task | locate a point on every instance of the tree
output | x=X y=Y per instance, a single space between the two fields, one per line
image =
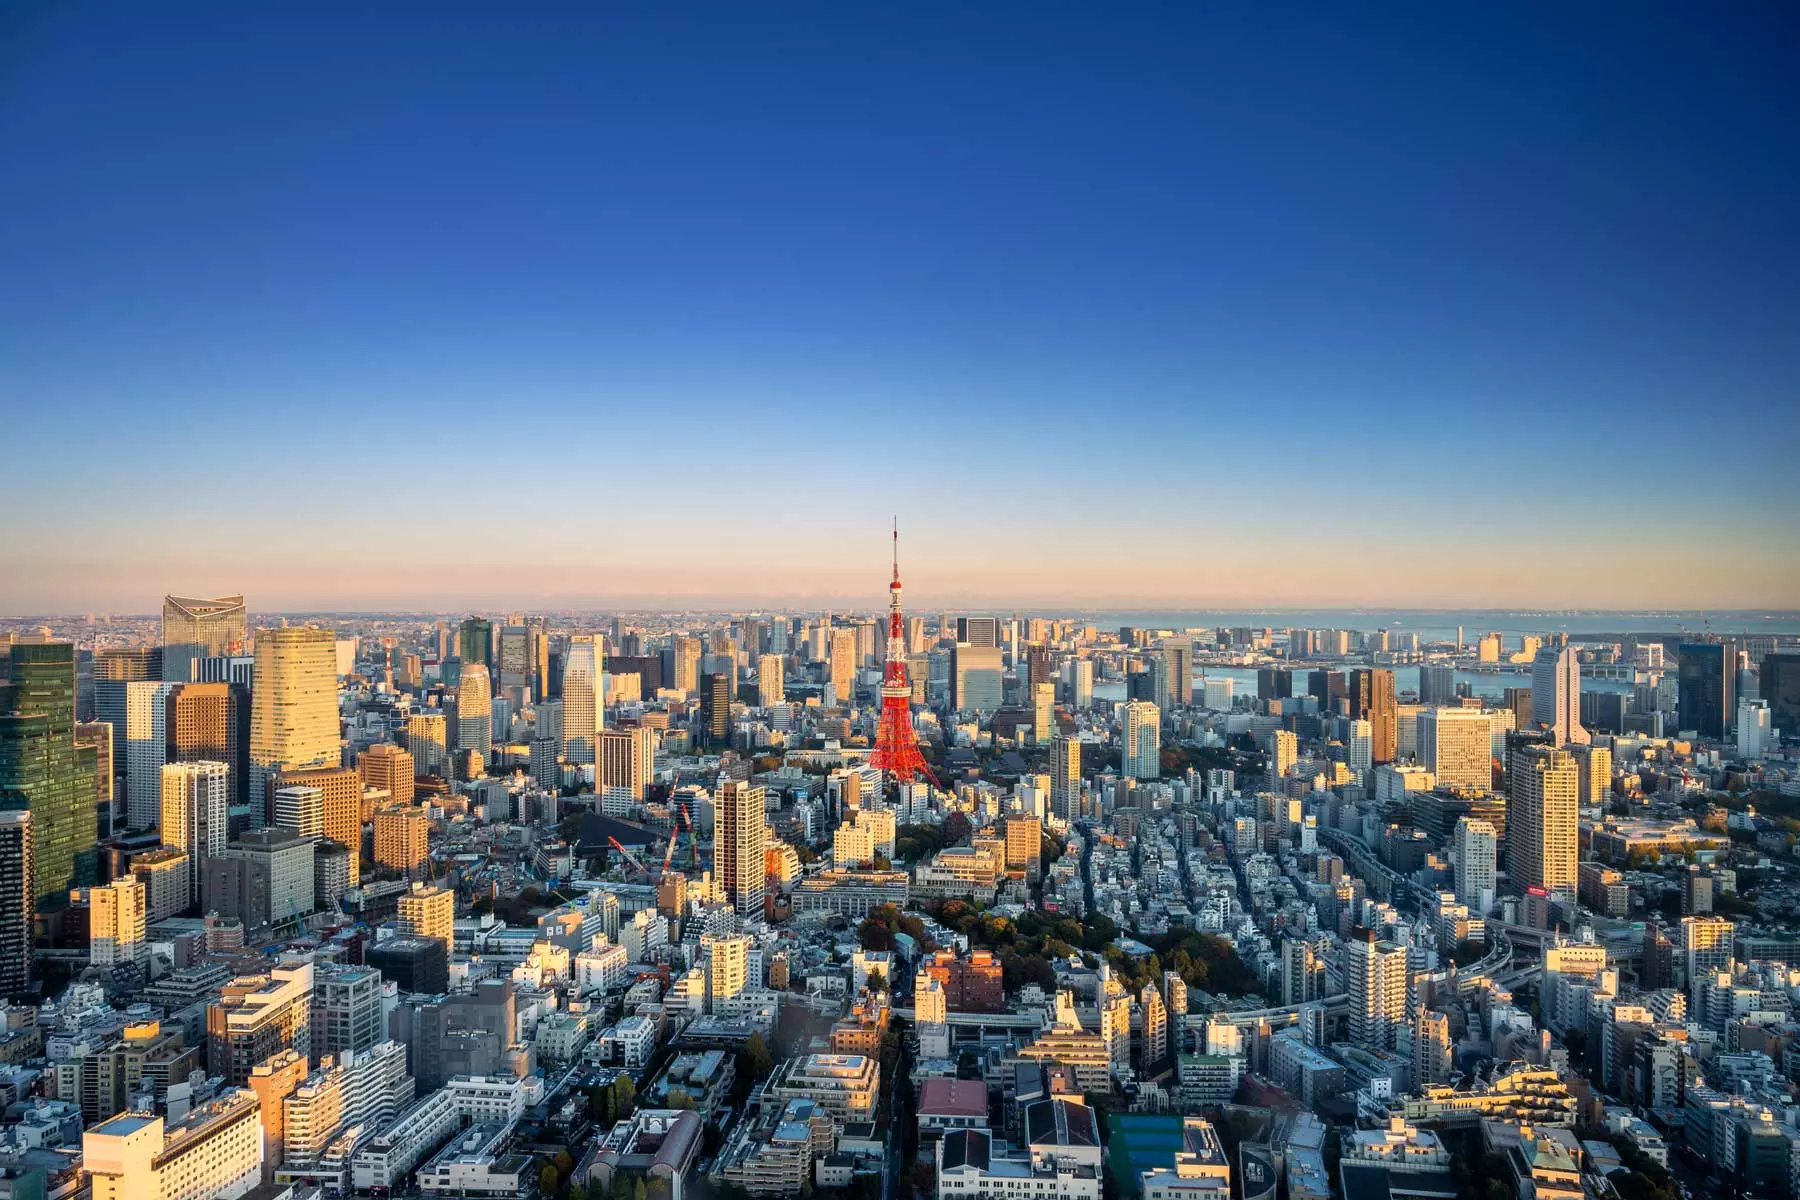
x=548 y=1180
x=624 y=1094
x=564 y=1163
x=877 y=980
x=577 y=1192
x=678 y=1098
x=957 y=828
x=756 y=1053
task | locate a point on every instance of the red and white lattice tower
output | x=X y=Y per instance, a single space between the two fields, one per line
x=896 y=744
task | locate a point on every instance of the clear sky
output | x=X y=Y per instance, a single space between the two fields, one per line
x=539 y=305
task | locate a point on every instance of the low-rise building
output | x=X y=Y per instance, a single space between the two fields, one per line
x=1201 y=1170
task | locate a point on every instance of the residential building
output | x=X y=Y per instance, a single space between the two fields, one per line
x=740 y=823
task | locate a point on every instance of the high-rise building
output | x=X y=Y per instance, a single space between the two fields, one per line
x=474 y=711
x=715 y=709
x=1065 y=777
x=1375 y=980
x=1284 y=752
x=1081 y=683
x=627 y=760
x=769 y=686
x=1778 y=685
x=1431 y=1049
x=1302 y=972
x=113 y=669
x=1274 y=683
x=1372 y=699
x=1359 y=749
x=1457 y=746
x=1043 y=712
x=583 y=697
x=427 y=741
x=194 y=813
x=146 y=749
x=1594 y=765
x=429 y=912
x=981 y=632
x=1707 y=676
x=1437 y=684
x=293 y=705
x=1475 y=845
x=739 y=819
x=168 y=882
x=845 y=661
x=1753 y=729
x=214 y=1151
x=1179 y=654
x=514 y=665
x=210 y=722
x=976 y=675
x=45 y=771
x=347 y=1016
x=1141 y=744
x=726 y=958
x=340 y=806
x=195 y=628
x=1556 y=694
x=686 y=664
x=390 y=768
x=1543 y=819
x=116 y=919
x=257 y=1016
x=17 y=902
x=300 y=808
x=475 y=641
x=402 y=838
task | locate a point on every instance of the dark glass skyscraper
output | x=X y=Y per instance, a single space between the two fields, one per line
x=45 y=772
x=476 y=641
x=1705 y=685
x=1779 y=682
x=715 y=708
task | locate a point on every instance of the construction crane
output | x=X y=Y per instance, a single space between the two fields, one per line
x=628 y=856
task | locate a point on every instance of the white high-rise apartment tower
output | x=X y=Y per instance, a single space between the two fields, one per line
x=196 y=803
x=1375 y=979
x=1476 y=847
x=770 y=688
x=1141 y=753
x=1543 y=819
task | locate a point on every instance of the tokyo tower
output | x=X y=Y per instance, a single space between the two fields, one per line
x=896 y=744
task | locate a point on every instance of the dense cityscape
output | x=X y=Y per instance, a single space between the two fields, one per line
x=895 y=907
x=849 y=601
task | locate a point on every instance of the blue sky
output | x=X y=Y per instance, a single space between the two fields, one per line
x=1121 y=305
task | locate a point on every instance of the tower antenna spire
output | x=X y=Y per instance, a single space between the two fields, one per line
x=896 y=546
x=896 y=742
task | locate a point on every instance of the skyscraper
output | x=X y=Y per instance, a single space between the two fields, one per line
x=1141 y=743
x=146 y=749
x=740 y=818
x=211 y=722
x=1778 y=684
x=194 y=815
x=475 y=711
x=475 y=641
x=1437 y=684
x=427 y=742
x=715 y=709
x=44 y=770
x=1065 y=777
x=1457 y=746
x=197 y=628
x=1372 y=699
x=1707 y=679
x=514 y=665
x=116 y=919
x=340 y=808
x=627 y=758
x=583 y=700
x=113 y=669
x=1543 y=818
x=770 y=689
x=390 y=768
x=1556 y=694
x=293 y=705
x=1375 y=979
x=844 y=663
x=976 y=675
x=1475 y=844
x=17 y=901
x=978 y=631
x=1179 y=654
x=686 y=663
x=1284 y=752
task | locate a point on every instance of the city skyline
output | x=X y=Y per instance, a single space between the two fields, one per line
x=1211 y=309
